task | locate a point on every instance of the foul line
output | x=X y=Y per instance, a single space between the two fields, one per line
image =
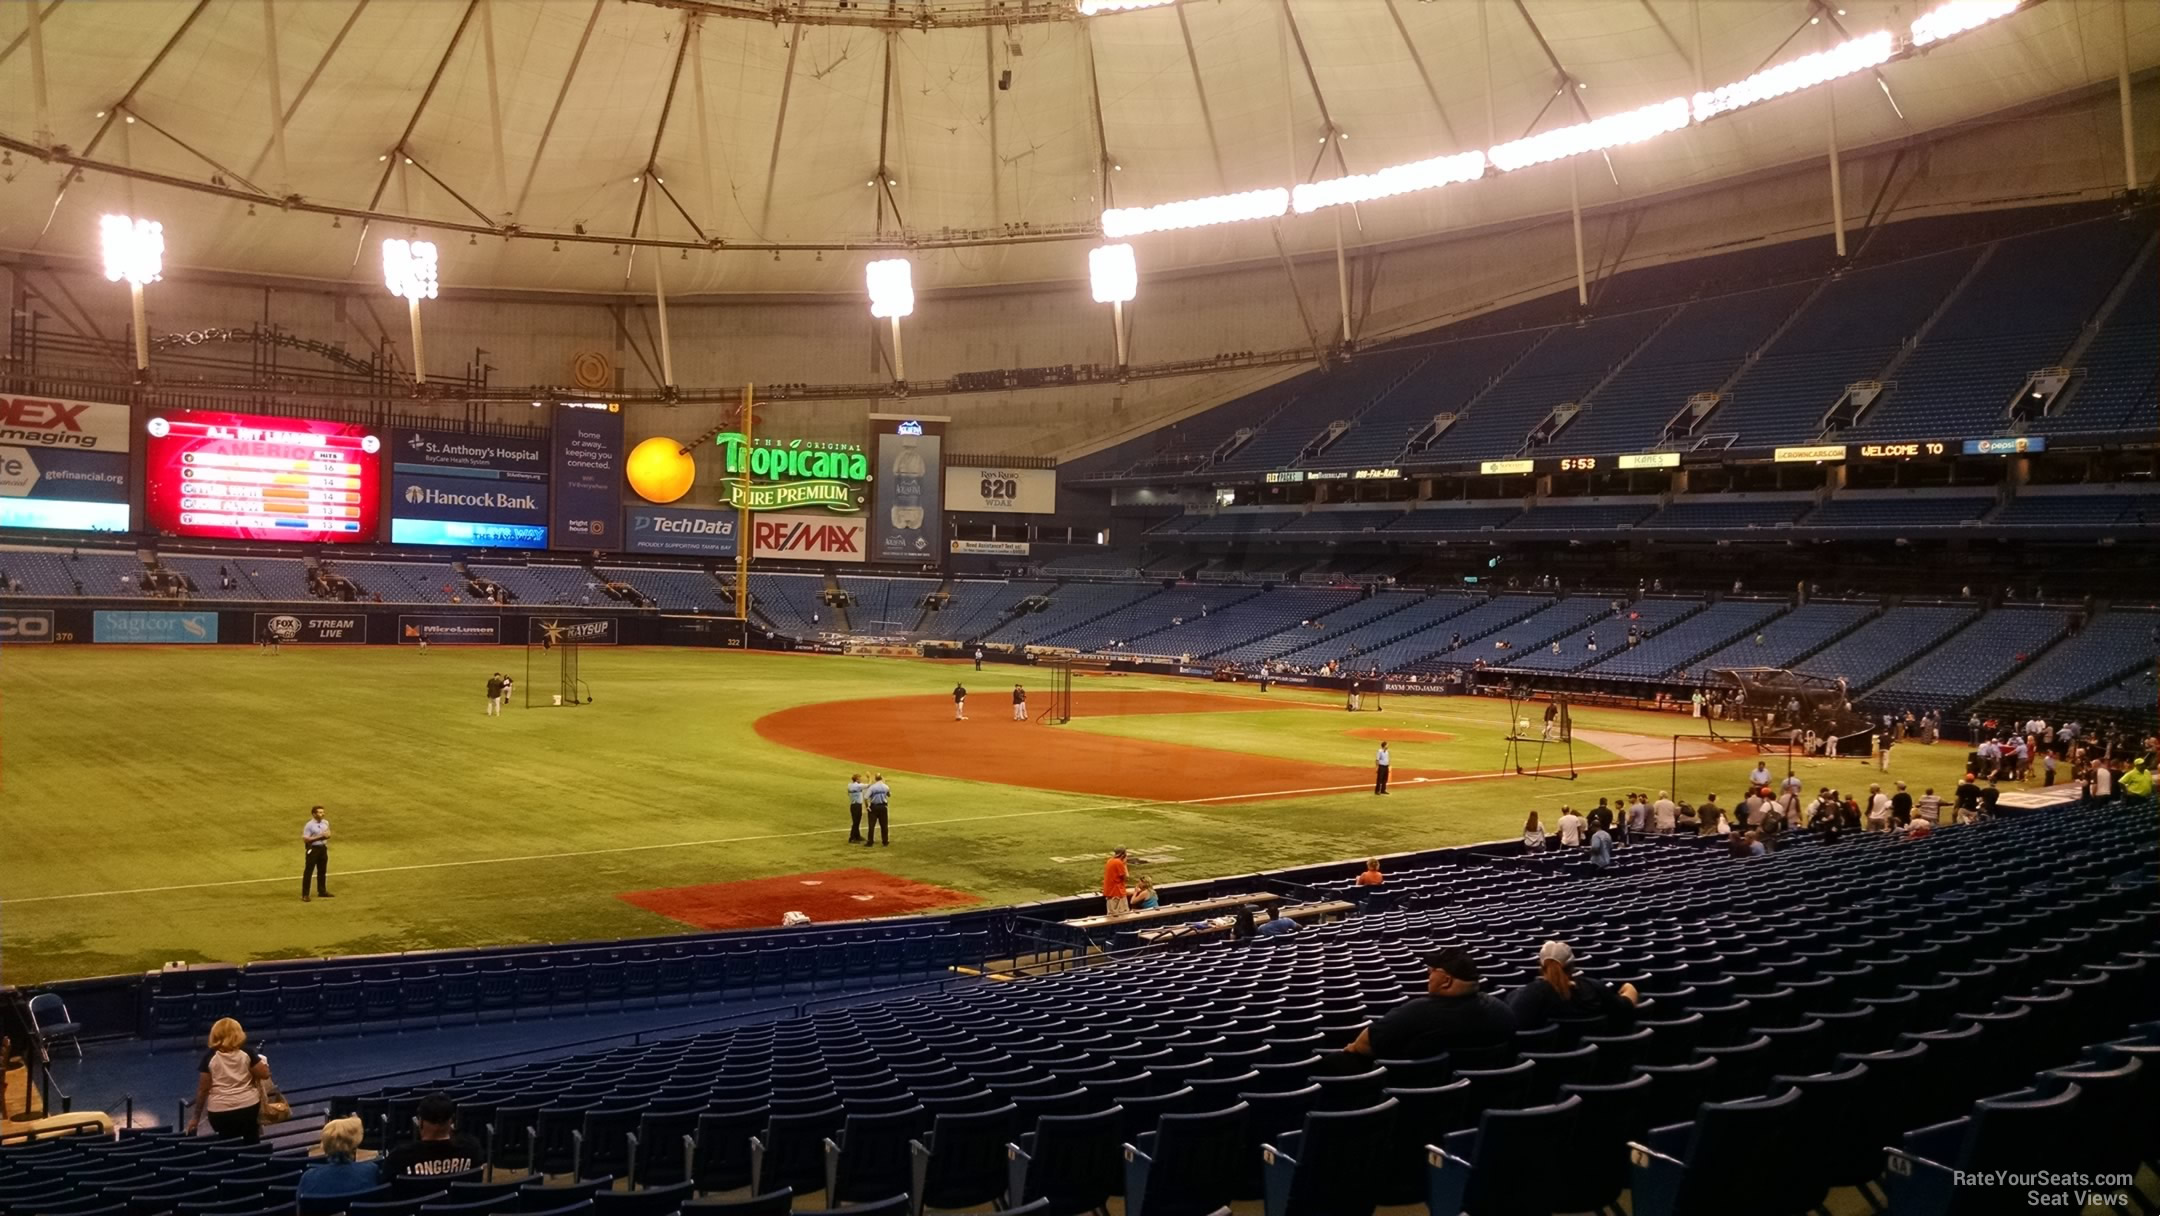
x=1134 y=804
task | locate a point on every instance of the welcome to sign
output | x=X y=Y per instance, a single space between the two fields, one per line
x=798 y=473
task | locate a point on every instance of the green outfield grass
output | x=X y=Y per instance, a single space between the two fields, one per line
x=151 y=799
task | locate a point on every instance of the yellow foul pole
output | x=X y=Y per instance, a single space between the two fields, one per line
x=742 y=513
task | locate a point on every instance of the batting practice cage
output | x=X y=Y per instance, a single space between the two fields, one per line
x=1363 y=696
x=1057 y=707
x=1782 y=707
x=551 y=660
x=1534 y=725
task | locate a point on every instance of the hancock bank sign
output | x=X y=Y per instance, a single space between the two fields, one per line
x=780 y=475
x=428 y=496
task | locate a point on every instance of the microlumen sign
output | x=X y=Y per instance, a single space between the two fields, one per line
x=795 y=474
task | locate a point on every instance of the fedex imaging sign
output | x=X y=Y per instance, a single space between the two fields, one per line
x=809 y=538
x=49 y=422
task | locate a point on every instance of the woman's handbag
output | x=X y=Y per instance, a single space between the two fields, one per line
x=274 y=1108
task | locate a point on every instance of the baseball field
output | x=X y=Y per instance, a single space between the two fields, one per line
x=151 y=798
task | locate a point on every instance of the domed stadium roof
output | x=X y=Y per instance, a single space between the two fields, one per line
x=769 y=144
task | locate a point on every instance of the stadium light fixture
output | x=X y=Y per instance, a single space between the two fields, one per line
x=1844 y=59
x=409 y=269
x=1113 y=273
x=1631 y=127
x=892 y=295
x=1114 y=276
x=1958 y=16
x=1091 y=8
x=134 y=250
x=1386 y=183
x=1119 y=222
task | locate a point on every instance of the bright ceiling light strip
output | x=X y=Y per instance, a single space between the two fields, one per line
x=1857 y=55
x=1089 y=8
x=1388 y=182
x=1845 y=59
x=1119 y=222
x=1633 y=127
x=1958 y=16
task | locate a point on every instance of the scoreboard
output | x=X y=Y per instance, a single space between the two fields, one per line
x=256 y=477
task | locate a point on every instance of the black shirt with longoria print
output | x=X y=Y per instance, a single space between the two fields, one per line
x=432 y=1158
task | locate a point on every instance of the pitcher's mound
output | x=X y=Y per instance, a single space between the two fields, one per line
x=822 y=896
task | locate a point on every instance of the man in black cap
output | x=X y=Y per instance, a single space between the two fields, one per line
x=1452 y=1014
x=440 y=1149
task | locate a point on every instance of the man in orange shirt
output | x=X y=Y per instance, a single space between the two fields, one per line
x=1372 y=876
x=1113 y=885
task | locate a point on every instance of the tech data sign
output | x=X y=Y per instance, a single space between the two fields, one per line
x=779 y=475
x=809 y=538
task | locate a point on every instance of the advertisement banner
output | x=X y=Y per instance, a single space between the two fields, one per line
x=63 y=488
x=26 y=625
x=1003 y=491
x=472 y=491
x=448 y=629
x=585 y=631
x=679 y=530
x=287 y=627
x=479 y=501
x=2017 y=445
x=164 y=628
x=587 y=451
x=62 y=473
x=48 y=422
x=909 y=494
x=457 y=454
x=992 y=548
x=809 y=538
x=256 y=477
x=782 y=474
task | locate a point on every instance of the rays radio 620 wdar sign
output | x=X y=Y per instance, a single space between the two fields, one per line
x=809 y=538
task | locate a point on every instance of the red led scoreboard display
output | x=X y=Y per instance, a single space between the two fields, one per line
x=255 y=477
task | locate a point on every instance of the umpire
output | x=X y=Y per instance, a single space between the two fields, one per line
x=878 y=795
x=315 y=838
x=855 y=788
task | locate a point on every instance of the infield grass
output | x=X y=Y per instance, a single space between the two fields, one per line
x=151 y=798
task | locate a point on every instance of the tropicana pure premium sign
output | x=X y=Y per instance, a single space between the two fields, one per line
x=773 y=475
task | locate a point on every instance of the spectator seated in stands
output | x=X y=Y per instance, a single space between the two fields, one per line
x=1371 y=877
x=1451 y=1014
x=439 y=1150
x=1144 y=896
x=337 y=1173
x=1274 y=924
x=1558 y=992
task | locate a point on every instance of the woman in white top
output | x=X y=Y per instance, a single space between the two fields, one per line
x=229 y=1085
x=1533 y=833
